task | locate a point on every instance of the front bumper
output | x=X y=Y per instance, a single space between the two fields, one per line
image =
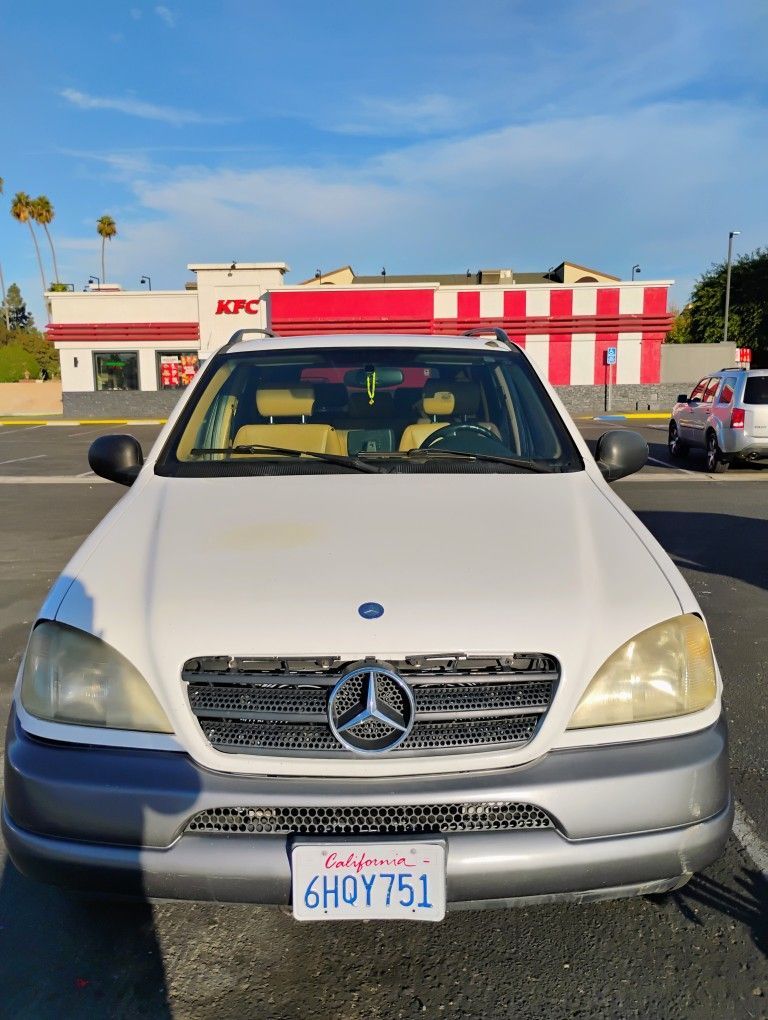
x=631 y=818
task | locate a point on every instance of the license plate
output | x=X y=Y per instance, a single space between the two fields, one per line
x=364 y=881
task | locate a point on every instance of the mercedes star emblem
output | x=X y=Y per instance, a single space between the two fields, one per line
x=371 y=710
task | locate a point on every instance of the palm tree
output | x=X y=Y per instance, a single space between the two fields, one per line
x=2 y=281
x=106 y=229
x=21 y=210
x=43 y=213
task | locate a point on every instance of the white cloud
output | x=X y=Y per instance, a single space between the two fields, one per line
x=137 y=108
x=429 y=114
x=660 y=185
x=135 y=13
x=166 y=15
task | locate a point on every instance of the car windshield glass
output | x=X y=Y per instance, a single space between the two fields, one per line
x=254 y=411
x=756 y=390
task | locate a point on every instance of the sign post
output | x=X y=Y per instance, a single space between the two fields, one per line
x=610 y=368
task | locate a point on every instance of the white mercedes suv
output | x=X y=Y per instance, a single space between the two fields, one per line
x=370 y=636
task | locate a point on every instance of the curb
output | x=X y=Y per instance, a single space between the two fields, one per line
x=83 y=421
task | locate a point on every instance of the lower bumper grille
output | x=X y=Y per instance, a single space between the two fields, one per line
x=381 y=820
x=281 y=706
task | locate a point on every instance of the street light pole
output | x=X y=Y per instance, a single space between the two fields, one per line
x=147 y=280
x=731 y=236
x=635 y=269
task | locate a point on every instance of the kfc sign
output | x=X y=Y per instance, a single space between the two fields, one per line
x=237 y=305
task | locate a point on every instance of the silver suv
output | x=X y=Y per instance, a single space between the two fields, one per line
x=726 y=415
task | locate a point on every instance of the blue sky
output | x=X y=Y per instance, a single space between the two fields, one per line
x=414 y=135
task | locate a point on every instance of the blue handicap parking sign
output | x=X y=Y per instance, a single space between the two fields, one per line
x=610 y=356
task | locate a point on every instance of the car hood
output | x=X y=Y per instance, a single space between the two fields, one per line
x=461 y=562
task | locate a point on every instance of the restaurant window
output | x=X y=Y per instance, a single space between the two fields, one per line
x=116 y=370
x=176 y=369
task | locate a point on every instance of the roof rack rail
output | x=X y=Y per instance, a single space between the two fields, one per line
x=500 y=334
x=240 y=334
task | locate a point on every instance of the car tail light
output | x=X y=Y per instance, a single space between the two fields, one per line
x=737 y=418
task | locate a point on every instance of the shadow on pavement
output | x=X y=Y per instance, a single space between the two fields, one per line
x=725 y=544
x=747 y=905
x=63 y=955
x=66 y=956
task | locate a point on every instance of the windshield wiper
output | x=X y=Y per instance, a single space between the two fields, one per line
x=489 y=458
x=330 y=458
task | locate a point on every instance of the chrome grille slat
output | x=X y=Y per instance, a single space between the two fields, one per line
x=387 y=819
x=271 y=737
x=271 y=706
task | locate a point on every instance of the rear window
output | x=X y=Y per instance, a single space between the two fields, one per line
x=756 y=390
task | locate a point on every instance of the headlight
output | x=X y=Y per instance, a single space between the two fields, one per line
x=72 y=677
x=664 y=671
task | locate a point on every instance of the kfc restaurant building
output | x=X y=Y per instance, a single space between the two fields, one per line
x=128 y=353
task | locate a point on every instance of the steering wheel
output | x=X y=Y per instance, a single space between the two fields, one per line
x=458 y=431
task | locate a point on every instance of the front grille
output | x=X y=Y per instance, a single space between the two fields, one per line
x=382 y=819
x=280 y=706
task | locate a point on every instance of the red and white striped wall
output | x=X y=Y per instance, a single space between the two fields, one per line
x=566 y=330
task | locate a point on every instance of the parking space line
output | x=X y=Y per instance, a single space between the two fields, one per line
x=671 y=476
x=51 y=480
x=25 y=428
x=754 y=846
x=18 y=460
x=671 y=467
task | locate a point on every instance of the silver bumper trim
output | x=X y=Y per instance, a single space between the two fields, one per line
x=484 y=869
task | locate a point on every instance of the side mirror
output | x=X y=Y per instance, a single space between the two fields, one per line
x=682 y=398
x=118 y=458
x=620 y=453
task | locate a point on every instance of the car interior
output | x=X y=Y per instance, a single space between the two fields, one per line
x=373 y=407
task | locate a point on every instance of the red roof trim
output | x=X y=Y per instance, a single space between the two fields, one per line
x=122 y=332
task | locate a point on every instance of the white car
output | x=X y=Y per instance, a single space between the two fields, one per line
x=369 y=635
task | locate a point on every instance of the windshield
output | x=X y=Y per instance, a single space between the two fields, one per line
x=396 y=408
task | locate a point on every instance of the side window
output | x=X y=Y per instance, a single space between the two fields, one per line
x=726 y=394
x=698 y=390
x=709 y=393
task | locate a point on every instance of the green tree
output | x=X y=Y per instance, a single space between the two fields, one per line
x=22 y=210
x=748 y=317
x=16 y=307
x=681 y=327
x=2 y=278
x=106 y=228
x=43 y=213
x=15 y=362
x=23 y=335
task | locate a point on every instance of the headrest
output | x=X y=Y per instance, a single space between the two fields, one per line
x=466 y=397
x=330 y=397
x=286 y=403
x=440 y=403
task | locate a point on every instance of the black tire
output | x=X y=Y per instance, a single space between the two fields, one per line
x=678 y=450
x=716 y=463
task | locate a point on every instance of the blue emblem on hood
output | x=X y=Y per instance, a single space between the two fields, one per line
x=371 y=610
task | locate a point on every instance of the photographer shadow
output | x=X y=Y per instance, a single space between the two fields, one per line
x=83 y=952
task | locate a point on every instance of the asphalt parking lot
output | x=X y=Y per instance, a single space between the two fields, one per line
x=700 y=952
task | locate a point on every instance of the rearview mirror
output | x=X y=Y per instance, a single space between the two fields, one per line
x=360 y=378
x=619 y=453
x=117 y=458
x=682 y=398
